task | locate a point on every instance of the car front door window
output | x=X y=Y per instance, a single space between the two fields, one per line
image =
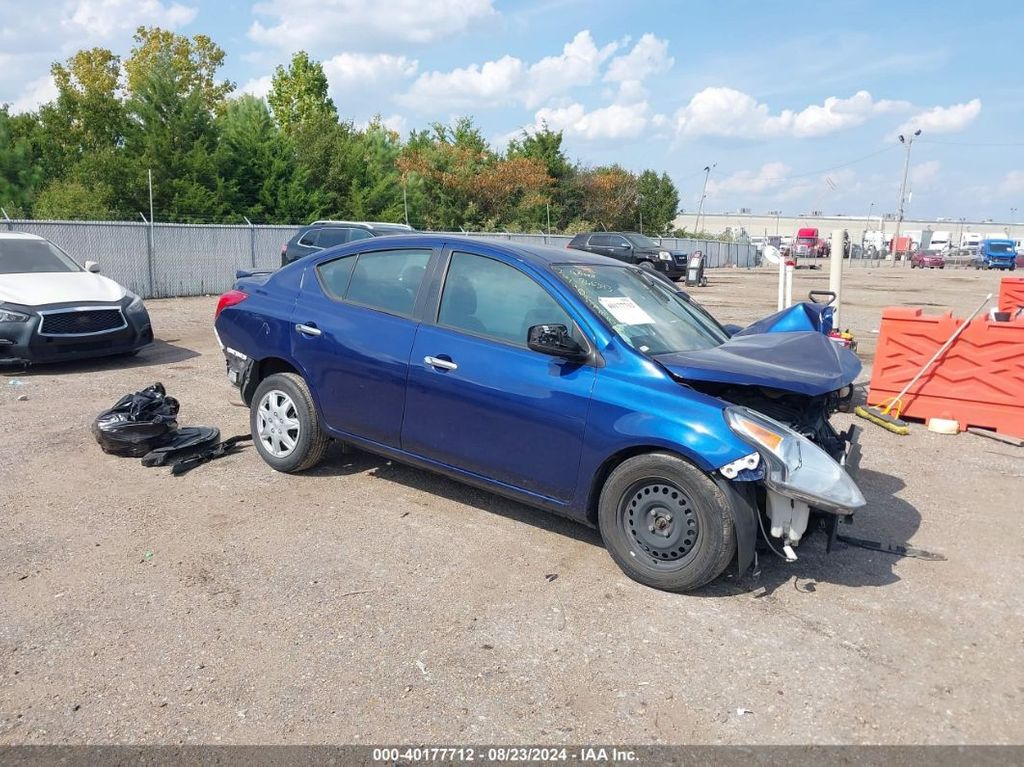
x=488 y=298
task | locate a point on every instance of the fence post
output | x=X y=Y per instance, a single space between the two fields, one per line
x=252 y=242
x=149 y=254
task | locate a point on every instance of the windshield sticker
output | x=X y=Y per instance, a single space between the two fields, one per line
x=625 y=310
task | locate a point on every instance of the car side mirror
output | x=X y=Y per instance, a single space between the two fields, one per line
x=556 y=341
x=732 y=329
x=92 y=266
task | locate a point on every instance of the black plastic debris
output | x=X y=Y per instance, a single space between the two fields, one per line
x=221 y=449
x=189 y=440
x=137 y=423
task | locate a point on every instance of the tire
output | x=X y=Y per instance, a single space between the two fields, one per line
x=693 y=539
x=285 y=427
x=647 y=266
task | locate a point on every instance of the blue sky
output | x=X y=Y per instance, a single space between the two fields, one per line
x=797 y=104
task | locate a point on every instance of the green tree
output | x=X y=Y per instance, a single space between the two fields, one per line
x=70 y=199
x=298 y=94
x=659 y=201
x=263 y=179
x=20 y=172
x=175 y=138
x=193 y=60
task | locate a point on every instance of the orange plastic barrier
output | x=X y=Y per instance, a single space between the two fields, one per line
x=1011 y=294
x=978 y=381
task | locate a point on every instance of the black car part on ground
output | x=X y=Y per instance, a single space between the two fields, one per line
x=188 y=441
x=221 y=449
x=137 y=423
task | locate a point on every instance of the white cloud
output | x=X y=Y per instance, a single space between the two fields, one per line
x=35 y=94
x=259 y=86
x=509 y=80
x=924 y=174
x=648 y=57
x=578 y=65
x=949 y=119
x=490 y=84
x=396 y=123
x=1013 y=183
x=768 y=177
x=358 y=70
x=314 y=25
x=613 y=122
x=104 y=19
x=729 y=112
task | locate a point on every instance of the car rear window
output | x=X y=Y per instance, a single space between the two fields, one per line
x=331 y=236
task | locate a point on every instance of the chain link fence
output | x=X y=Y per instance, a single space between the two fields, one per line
x=166 y=260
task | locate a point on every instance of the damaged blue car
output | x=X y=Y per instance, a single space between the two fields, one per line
x=565 y=380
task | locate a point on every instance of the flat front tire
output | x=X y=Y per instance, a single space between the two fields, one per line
x=666 y=523
x=285 y=428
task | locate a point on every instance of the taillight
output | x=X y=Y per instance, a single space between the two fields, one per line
x=284 y=248
x=230 y=298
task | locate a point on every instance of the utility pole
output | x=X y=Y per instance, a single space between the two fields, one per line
x=867 y=225
x=960 y=237
x=703 y=194
x=640 y=208
x=405 y=201
x=903 y=192
x=547 y=207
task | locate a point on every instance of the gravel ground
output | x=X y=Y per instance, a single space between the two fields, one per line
x=370 y=602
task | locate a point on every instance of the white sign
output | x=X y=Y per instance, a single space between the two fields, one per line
x=625 y=310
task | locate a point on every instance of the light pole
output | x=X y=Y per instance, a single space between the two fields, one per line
x=640 y=208
x=960 y=237
x=703 y=194
x=903 y=193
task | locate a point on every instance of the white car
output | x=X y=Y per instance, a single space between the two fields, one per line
x=52 y=309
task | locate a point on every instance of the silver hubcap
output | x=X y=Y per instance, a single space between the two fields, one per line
x=277 y=423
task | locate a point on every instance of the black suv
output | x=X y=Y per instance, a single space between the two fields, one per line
x=633 y=248
x=327 y=234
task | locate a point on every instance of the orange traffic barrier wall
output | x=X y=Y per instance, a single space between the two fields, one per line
x=1011 y=294
x=978 y=381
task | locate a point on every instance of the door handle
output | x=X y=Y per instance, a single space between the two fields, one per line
x=309 y=330
x=437 y=362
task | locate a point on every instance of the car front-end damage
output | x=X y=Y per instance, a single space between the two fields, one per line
x=779 y=392
x=60 y=332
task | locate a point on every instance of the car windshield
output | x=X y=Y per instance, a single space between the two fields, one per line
x=644 y=311
x=641 y=241
x=1000 y=247
x=19 y=256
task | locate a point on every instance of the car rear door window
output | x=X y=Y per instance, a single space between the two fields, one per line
x=388 y=279
x=331 y=236
x=358 y=234
x=335 y=275
x=600 y=240
x=489 y=298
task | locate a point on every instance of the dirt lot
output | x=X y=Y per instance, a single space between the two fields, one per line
x=370 y=602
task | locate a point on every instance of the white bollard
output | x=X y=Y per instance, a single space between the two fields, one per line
x=835 y=274
x=790 y=267
x=782 y=284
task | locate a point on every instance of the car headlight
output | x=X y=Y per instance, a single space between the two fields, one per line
x=664 y=255
x=135 y=305
x=6 y=315
x=796 y=467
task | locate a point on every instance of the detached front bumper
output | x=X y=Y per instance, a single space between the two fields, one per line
x=28 y=343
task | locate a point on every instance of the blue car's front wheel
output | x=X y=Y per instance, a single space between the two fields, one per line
x=665 y=523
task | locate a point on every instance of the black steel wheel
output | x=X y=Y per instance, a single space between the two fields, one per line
x=666 y=523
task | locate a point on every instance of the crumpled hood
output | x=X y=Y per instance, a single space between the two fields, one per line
x=33 y=289
x=803 y=362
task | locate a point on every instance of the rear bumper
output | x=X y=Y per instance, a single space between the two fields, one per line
x=21 y=343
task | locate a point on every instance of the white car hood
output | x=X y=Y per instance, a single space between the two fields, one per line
x=58 y=288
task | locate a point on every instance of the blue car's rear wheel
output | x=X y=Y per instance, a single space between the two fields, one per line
x=285 y=428
x=665 y=523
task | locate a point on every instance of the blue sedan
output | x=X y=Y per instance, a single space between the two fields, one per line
x=565 y=380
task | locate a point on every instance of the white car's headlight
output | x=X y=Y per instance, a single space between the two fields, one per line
x=6 y=315
x=795 y=466
x=664 y=255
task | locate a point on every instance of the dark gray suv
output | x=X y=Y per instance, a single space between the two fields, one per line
x=633 y=248
x=326 y=234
